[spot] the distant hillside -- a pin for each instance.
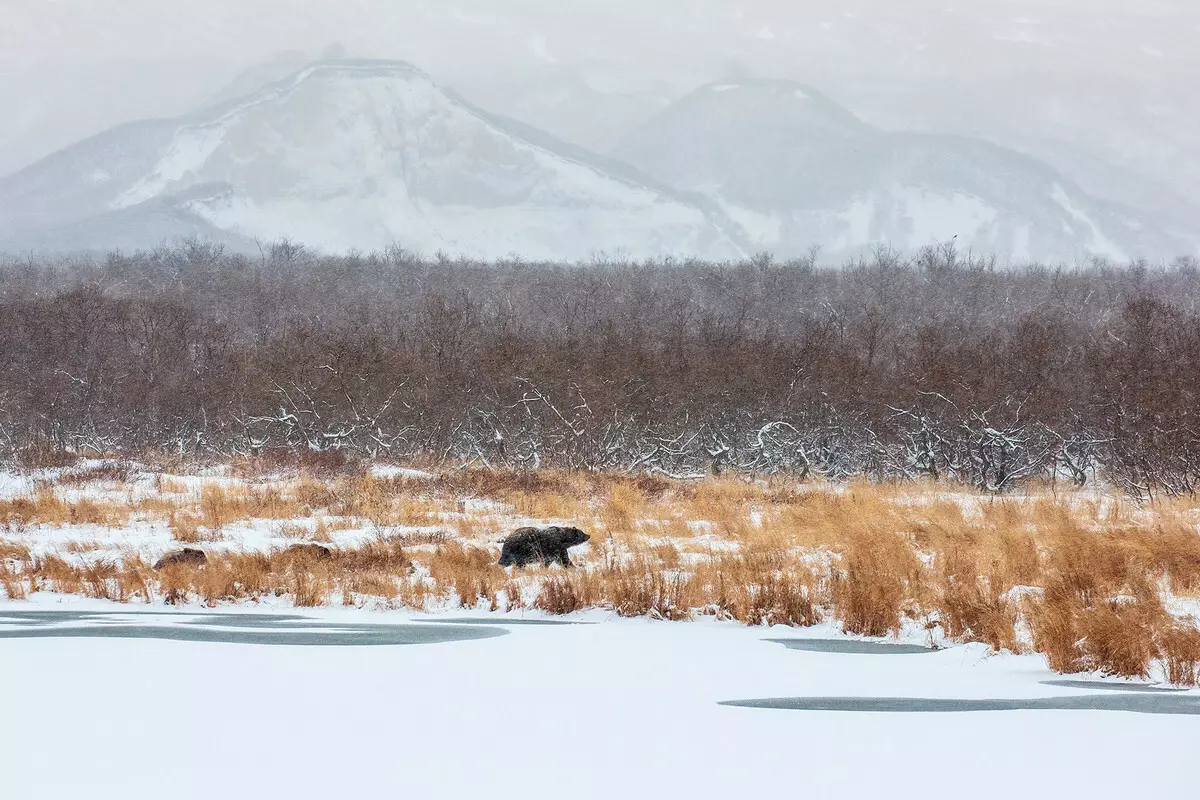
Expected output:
(351, 154)
(795, 169)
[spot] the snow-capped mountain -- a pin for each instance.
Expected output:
(352, 154)
(794, 170)
(362, 154)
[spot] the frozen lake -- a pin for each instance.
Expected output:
(111, 702)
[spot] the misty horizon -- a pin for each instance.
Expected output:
(1095, 93)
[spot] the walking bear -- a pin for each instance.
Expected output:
(188, 555)
(540, 544)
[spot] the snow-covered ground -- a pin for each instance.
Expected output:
(604, 708)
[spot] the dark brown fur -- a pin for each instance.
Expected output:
(547, 545)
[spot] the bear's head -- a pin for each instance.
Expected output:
(573, 536)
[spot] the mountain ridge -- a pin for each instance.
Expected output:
(365, 153)
(382, 139)
(796, 170)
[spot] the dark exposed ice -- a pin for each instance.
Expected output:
(852, 646)
(261, 629)
(1136, 702)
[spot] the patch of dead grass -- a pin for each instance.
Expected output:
(875, 558)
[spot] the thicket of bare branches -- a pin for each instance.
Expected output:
(939, 366)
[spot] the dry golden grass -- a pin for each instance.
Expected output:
(878, 577)
(221, 504)
(13, 550)
(558, 596)
(1180, 647)
(11, 582)
(76, 546)
(300, 532)
(781, 600)
(1101, 607)
(47, 507)
(470, 573)
(168, 484)
(52, 573)
(1082, 575)
(1174, 549)
(186, 527)
(1113, 637)
(1121, 638)
(623, 509)
(312, 495)
(972, 610)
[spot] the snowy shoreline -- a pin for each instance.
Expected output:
(620, 705)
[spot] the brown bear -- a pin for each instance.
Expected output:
(188, 555)
(540, 544)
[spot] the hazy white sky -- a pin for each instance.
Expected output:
(1109, 78)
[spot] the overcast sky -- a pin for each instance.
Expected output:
(1112, 79)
